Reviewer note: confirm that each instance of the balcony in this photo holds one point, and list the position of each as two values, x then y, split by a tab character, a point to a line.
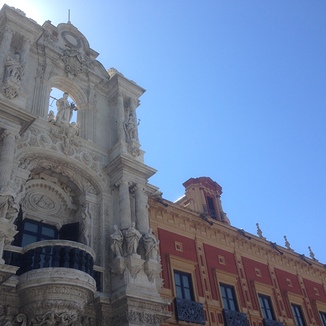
269	322
189	311
232	318
57	253
56	274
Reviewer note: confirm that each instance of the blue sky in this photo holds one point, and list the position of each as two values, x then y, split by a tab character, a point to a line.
235	92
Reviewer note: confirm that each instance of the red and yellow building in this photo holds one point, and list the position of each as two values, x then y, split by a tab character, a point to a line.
216	274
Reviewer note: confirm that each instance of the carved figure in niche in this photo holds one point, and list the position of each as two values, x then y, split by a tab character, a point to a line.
131	128
132	237
117	240
86	224
151	245
65	109
14	72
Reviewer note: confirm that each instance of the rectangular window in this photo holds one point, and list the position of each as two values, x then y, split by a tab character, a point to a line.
183	285
228	297
298	315
211	207
323	318
266	307
36	231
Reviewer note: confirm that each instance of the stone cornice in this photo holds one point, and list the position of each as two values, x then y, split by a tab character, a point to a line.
123	166
14	118
19	19
127	87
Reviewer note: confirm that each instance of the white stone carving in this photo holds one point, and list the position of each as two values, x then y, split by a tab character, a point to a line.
117	242
65	110
86	224
75	62
132	237
48	200
14	72
151	246
130	128
60	291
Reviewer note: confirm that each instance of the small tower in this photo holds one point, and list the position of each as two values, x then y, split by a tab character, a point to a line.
203	196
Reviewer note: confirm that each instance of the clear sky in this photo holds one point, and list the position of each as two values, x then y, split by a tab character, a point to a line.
235	91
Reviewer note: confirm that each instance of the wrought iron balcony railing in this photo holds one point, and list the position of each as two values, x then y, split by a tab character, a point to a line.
53	253
189	311
235	318
269	322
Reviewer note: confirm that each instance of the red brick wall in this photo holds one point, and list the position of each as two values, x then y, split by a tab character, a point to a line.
167	247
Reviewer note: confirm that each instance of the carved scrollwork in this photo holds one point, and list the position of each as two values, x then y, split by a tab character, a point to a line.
75	62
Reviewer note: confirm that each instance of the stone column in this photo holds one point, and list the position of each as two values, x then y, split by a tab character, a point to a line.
141	209
124	202
120	117
7	152
25	50
5	44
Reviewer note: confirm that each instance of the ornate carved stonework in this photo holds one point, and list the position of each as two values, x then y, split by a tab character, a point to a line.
134	148
47	200
67	170
54	293
75	62
14	73
62	139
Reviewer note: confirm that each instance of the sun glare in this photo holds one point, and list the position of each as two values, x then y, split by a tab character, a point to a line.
34	9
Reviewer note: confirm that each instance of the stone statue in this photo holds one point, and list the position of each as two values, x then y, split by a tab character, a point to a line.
117	240
51	117
75	129
86	225
65	109
151	245
260	232
131	128
132	237
287	243
311	254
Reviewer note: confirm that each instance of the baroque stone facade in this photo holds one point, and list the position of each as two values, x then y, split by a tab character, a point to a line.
75	243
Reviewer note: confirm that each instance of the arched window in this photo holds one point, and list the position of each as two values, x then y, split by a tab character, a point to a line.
55	95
